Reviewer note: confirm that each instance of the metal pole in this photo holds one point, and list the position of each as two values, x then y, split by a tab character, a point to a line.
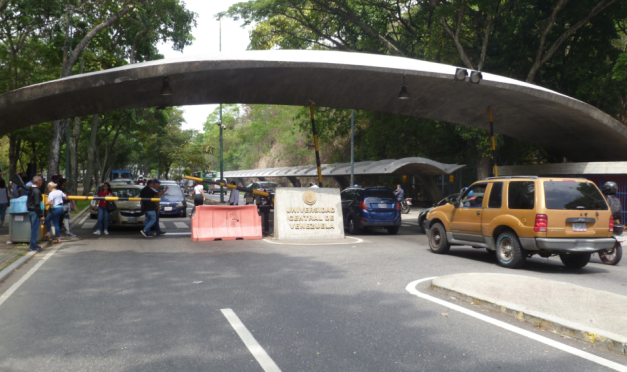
315	135
221	138
495	170
352	147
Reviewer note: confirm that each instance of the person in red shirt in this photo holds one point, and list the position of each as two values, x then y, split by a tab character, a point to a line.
103	212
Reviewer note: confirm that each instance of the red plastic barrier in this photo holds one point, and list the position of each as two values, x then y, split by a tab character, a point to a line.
221	222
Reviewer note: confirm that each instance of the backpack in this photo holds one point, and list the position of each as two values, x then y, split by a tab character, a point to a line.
615	206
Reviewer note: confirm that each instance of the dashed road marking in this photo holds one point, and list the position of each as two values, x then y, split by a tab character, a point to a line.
411	288
88	225
253	346
181	225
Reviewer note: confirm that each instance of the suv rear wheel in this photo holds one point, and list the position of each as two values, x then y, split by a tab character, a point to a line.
575	261
392	230
509	253
437	239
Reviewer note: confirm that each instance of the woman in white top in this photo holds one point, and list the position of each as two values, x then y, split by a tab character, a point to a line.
199	196
4	200
55	201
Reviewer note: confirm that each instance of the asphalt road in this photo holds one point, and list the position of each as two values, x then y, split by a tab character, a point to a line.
126	303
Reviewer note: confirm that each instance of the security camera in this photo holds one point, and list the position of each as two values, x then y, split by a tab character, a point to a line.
223	126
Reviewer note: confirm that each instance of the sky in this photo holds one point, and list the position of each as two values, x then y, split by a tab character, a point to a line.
234	39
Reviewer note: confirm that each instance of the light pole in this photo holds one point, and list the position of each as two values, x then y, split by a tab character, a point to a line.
221	139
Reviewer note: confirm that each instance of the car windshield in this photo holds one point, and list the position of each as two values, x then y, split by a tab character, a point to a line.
268	185
130	192
380	195
573	195
173	190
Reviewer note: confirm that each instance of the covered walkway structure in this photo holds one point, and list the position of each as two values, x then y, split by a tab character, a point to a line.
422	168
550	120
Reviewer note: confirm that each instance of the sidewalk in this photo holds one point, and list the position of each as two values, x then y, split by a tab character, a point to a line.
586	314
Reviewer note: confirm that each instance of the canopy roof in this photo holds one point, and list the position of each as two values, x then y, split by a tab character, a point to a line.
406	166
527	112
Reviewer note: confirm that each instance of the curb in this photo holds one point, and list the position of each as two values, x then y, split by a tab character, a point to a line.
7	271
79	215
555	325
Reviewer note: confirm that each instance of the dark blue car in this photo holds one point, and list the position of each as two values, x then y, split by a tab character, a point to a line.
173	201
368	208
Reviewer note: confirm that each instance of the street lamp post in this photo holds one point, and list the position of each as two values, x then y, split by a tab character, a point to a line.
221	138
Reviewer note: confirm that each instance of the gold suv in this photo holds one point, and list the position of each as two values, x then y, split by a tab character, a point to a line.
517	217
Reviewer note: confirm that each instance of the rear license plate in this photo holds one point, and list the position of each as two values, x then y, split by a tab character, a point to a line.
132	219
383	205
579	227
167	209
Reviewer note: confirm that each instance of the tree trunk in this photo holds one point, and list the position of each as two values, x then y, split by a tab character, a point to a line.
91	157
15	142
483	167
56	137
74	137
431	186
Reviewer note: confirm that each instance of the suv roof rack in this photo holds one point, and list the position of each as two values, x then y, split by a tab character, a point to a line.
509	177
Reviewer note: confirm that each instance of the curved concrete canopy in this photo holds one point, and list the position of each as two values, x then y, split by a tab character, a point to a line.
416	166
527	112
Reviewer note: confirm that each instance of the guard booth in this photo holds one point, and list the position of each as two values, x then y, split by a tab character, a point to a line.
597	172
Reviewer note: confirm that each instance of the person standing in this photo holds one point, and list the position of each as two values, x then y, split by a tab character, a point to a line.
234	198
67	208
198	196
35	212
400	193
157	226
149	208
103	212
16	190
4	200
55	201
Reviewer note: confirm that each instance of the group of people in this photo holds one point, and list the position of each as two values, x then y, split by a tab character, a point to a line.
60	207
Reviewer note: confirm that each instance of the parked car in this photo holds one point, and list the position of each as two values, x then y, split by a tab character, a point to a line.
173	201
369	208
250	198
518	217
422	217
128	212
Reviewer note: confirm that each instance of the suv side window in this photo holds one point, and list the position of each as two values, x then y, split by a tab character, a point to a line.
359	195
521	195
473	198
496	195
346	195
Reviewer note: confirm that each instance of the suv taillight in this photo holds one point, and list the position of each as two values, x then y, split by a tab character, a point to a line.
611	224
363	206
398	206
541	223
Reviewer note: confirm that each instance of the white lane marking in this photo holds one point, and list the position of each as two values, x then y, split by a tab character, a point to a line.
357	240
161	226
411	288
180	233
17	284
88	225
253	346
181	225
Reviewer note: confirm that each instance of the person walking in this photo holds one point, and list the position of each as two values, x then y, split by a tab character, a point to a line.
198	197
149	208
234	198
400	193
67	208
34	204
103	212
4	200
156	225
55	201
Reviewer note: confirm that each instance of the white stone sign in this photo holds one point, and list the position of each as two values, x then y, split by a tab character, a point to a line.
303	213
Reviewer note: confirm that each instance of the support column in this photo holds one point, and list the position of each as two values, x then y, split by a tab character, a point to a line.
494	169
315	135
431	186
295	181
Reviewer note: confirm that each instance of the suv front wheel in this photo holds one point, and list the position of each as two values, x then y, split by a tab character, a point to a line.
509	253
437	239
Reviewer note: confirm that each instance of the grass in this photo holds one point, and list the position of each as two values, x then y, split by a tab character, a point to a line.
80	204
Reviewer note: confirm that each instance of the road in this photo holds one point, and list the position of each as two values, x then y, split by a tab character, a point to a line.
126	303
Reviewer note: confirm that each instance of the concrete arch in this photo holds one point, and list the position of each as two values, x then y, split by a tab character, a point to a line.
331	79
